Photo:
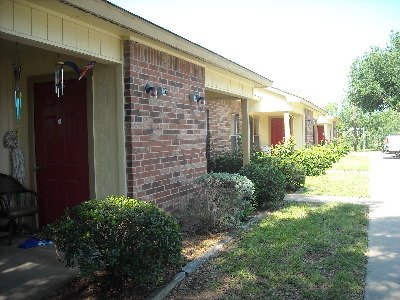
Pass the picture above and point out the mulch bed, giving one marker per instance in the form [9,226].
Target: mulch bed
[102,286]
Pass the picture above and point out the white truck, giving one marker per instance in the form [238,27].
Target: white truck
[392,144]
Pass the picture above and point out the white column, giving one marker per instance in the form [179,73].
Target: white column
[286,121]
[326,133]
[245,132]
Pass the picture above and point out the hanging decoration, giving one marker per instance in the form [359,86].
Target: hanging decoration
[17,91]
[59,74]
[17,156]
[59,79]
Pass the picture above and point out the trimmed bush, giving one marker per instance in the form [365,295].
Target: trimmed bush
[314,160]
[128,238]
[225,201]
[230,162]
[294,173]
[269,182]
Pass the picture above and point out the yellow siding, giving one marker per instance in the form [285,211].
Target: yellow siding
[228,85]
[55,30]
[39,24]
[6,14]
[23,19]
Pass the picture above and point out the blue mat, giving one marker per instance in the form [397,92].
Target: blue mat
[34,242]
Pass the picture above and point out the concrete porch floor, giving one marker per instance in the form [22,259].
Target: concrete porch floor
[30,273]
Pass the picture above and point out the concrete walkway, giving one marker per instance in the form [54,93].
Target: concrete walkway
[30,273]
[383,269]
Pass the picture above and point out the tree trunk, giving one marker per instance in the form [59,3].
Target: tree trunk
[355,128]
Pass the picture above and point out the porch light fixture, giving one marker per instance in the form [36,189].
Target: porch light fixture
[150,89]
[196,97]
[162,91]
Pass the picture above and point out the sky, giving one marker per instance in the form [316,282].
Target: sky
[305,47]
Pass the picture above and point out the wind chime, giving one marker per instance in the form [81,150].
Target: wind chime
[17,89]
[59,74]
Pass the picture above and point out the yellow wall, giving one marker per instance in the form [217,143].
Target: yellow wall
[105,115]
[226,84]
[26,20]
[268,102]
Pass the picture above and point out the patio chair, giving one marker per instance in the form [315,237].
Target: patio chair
[16,202]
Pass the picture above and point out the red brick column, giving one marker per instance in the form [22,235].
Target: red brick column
[221,112]
[165,135]
[309,127]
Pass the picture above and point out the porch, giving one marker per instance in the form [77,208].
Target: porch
[71,144]
[30,273]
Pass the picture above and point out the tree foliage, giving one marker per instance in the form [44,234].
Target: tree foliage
[374,80]
[376,124]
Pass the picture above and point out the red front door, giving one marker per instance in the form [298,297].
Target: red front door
[321,134]
[61,145]
[277,131]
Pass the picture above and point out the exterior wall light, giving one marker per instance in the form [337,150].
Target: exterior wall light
[149,89]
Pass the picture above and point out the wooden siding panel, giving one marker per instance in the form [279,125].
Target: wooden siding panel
[218,82]
[82,37]
[22,19]
[69,34]
[94,42]
[6,14]
[39,24]
[55,32]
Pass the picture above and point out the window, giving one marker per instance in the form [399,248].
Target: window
[235,132]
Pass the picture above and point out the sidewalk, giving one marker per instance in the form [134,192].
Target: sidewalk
[383,269]
[30,273]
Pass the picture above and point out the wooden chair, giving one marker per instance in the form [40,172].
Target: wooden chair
[16,202]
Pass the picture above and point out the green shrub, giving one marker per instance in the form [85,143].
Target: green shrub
[229,162]
[130,239]
[285,149]
[294,173]
[269,183]
[226,200]
[314,160]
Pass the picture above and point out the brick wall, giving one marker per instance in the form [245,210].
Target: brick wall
[309,127]
[221,112]
[165,135]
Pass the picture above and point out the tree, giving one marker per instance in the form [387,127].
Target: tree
[332,108]
[374,80]
[377,125]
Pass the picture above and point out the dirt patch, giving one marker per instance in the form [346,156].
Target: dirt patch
[102,286]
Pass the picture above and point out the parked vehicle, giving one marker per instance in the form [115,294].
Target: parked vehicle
[392,144]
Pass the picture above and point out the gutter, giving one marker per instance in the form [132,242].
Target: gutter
[116,15]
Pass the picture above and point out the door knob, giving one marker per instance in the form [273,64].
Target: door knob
[37,167]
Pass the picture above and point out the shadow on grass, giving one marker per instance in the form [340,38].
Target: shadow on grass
[304,251]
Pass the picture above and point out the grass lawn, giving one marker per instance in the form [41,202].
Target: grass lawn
[302,251]
[348,177]
[352,162]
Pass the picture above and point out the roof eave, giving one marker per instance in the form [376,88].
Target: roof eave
[112,13]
